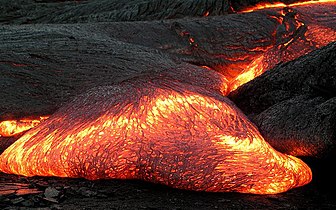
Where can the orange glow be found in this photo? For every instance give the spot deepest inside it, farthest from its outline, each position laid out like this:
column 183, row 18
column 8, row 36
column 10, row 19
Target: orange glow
column 297, row 34
column 13, row 127
column 253, row 70
column 281, row 5
column 175, row 134
column 320, row 35
column 224, row 88
column 190, row 139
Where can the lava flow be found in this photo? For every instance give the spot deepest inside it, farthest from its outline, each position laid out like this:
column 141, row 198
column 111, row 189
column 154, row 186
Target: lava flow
column 13, row 127
column 168, row 132
column 173, row 133
column 302, row 27
column 262, row 6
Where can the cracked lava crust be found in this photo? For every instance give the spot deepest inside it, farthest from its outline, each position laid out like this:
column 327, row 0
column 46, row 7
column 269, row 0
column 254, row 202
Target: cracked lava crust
column 159, row 131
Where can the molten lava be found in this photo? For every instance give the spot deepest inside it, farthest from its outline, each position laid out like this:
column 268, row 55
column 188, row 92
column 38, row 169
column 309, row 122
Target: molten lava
column 13, row 127
column 297, row 34
column 262, row 6
column 253, row 70
column 172, row 133
column 158, row 131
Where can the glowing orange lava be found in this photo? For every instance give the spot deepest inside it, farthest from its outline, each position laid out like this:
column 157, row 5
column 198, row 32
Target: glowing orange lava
column 253, row 70
column 262, row 6
column 172, row 133
column 168, row 132
column 296, row 34
column 13, row 127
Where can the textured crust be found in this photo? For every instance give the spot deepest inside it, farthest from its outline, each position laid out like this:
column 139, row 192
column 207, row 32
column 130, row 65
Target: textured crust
column 159, row 131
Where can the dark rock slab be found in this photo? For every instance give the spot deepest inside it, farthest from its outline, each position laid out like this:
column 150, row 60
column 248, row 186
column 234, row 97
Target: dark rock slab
column 60, row 11
column 45, row 67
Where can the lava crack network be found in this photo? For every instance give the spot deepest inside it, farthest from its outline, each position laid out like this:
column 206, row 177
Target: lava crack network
column 172, row 134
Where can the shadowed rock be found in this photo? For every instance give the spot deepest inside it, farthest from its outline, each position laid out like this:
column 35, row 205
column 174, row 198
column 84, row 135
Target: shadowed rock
column 53, row 11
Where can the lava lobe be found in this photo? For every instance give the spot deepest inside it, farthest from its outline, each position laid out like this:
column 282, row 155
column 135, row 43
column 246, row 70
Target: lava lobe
column 157, row 130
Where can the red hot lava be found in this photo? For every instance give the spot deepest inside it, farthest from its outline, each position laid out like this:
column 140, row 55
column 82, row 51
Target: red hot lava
column 169, row 133
column 299, row 32
column 13, row 127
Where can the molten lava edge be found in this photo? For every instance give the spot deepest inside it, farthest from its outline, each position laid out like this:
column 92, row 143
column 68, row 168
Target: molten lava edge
column 160, row 131
column 267, row 5
column 13, row 127
column 298, row 32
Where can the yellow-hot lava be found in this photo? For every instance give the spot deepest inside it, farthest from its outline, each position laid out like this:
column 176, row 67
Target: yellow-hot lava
column 253, row 70
column 168, row 132
column 13, row 127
